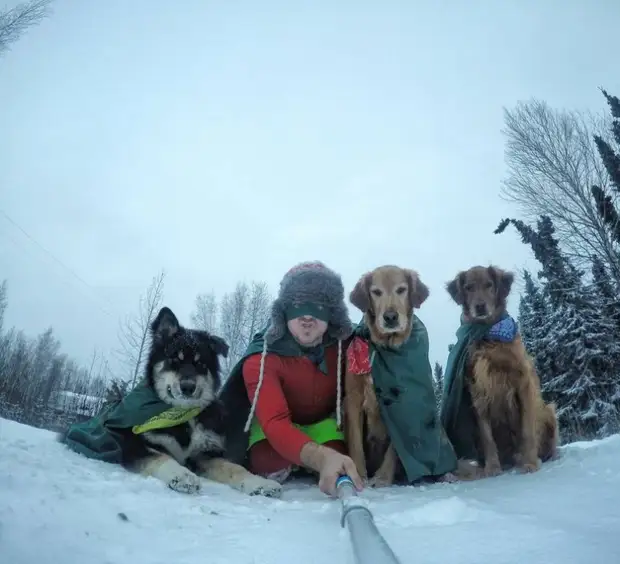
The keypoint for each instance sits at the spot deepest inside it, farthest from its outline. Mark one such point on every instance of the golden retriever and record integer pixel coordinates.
(387, 296)
(515, 425)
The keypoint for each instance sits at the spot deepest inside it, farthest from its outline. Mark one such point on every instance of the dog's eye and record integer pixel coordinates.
(376, 291)
(401, 290)
(488, 285)
(468, 287)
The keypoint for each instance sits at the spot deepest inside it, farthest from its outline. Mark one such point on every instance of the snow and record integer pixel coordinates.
(56, 506)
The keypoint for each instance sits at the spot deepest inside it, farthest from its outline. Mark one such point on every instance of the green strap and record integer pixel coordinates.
(169, 418)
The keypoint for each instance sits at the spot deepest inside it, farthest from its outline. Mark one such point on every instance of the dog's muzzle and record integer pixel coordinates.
(390, 319)
(187, 386)
(480, 311)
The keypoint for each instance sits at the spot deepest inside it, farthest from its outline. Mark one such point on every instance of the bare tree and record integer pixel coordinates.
(135, 331)
(243, 312)
(3, 303)
(552, 164)
(115, 391)
(37, 393)
(259, 309)
(232, 322)
(40, 386)
(7, 345)
(14, 22)
(205, 313)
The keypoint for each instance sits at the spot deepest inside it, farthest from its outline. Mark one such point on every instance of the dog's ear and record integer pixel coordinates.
(503, 281)
(455, 288)
(219, 345)
(418, 291)
(165, 324)
(359, 295)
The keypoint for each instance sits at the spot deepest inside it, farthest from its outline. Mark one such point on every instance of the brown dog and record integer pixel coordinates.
(387, 297)
(514, 423)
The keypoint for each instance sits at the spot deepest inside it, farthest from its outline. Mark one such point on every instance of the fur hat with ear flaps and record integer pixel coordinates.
(314, 283)
(308, 283)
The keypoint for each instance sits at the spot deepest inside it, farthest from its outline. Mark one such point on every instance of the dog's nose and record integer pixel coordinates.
(188, 387)
(390, 318)
(480, 309)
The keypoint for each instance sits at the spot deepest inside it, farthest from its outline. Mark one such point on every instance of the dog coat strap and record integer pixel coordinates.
(170, 418)
(358, 356)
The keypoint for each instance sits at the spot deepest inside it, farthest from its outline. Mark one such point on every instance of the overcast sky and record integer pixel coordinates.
(225, 141)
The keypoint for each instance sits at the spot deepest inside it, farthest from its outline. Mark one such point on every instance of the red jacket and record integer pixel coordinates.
(294, 390)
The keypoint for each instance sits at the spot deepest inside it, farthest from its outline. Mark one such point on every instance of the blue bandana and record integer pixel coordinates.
(504, 331)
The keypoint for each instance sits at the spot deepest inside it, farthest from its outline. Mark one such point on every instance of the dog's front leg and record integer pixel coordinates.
(492, 466)
(168, 470)
(384, 476)
(226, 472)
(528, 451)
(353, 427)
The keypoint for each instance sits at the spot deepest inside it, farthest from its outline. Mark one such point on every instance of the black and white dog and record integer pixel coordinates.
(184, 371)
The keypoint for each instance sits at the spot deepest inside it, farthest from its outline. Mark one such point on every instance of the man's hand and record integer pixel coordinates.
(330, 465)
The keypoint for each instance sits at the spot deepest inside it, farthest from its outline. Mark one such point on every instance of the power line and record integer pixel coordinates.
(56, 259)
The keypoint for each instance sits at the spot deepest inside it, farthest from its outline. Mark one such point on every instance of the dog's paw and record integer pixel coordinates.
(257, 485)
(448, 478)
(529, 467)
(185, 481)
(379, 481)
(491, 470)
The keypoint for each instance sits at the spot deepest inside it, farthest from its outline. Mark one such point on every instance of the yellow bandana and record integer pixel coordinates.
(169, 418)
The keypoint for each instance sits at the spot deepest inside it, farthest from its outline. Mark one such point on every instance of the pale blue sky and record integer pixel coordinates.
(230, 140)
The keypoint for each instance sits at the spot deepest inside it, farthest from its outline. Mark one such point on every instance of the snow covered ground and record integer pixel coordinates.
(59, 508)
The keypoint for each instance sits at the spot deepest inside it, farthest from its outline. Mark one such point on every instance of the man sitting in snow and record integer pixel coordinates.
(288, 385)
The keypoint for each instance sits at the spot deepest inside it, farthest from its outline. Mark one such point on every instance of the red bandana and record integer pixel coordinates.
(358, 357)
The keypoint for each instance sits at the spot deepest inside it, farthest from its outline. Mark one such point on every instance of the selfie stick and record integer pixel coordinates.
(369, 546)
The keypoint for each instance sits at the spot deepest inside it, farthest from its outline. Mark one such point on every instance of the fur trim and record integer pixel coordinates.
(311, 283)
(277, 325)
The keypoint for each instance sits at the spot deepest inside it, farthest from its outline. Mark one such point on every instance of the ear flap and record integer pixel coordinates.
(219, 345)
(340, 326)
(418, 291)
(503, 281)
(277, 322)
(359, 295)
(455, 288)
(165, 324)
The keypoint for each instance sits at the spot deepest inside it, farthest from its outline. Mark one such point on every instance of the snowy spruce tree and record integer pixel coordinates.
(573, 342)
(533, 314)
(604, 287)
(609, 156)
(438, 384)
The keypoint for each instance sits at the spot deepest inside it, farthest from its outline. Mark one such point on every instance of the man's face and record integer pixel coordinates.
(308, 331)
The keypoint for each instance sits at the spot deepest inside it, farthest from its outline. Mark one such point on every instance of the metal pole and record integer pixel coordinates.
(369, 546)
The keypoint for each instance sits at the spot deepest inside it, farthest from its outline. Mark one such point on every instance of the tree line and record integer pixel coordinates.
(44, 387)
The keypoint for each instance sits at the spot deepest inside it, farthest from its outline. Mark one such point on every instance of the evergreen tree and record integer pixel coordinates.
(611, 159)
(533, 311)
(573, 342)
(581, 377)
(438, 384)
(562, 279)
(604, 288)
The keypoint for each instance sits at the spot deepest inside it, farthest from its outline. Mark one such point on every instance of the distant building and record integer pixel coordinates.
(74, 405)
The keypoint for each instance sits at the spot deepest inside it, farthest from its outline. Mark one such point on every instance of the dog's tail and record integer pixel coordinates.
(549, 434)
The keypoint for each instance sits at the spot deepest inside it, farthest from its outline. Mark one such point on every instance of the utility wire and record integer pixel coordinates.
(56, 260)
